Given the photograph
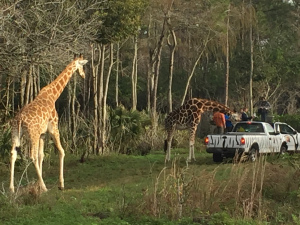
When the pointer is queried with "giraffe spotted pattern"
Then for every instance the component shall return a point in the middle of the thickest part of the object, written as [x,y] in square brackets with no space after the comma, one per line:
[39,117]
[188,116]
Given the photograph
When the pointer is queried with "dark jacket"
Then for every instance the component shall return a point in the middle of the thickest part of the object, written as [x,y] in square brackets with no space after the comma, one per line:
[245,117]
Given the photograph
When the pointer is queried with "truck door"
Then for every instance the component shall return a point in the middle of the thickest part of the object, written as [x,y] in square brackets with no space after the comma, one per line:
[291,136]
[274,139]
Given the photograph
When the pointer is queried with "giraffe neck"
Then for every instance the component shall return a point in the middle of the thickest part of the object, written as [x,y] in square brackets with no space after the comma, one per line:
[204,105]
[220,106]
[56,87]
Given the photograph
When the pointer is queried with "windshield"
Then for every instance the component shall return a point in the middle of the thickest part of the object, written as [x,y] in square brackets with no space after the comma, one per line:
[249,127]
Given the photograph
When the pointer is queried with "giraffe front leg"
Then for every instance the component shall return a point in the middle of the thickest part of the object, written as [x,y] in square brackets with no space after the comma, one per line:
[55,135]
[13,158]
[192,144]
[41,152]
[191,151]
[168,145]
[61,163]
[54,132]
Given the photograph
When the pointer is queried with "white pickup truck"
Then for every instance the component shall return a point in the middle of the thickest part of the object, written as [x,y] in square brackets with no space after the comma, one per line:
[253,138]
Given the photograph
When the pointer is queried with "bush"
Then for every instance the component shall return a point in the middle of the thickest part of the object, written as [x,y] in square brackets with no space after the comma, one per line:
[293,120]
[5,141]
[127,128]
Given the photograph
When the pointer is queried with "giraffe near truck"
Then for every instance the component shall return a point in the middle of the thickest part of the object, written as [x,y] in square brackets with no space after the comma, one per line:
[188,116]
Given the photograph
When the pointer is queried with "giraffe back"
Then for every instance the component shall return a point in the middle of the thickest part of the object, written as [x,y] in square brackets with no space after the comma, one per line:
[189,114]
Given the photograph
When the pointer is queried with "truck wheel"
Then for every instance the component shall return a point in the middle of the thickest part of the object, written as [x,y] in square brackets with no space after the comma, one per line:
[252,155]
[217,157]
[283,149]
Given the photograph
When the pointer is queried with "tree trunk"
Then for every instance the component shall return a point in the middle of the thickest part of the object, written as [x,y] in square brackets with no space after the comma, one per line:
[104,111]
[73,112]
[134,74]
[117,73]
[23,86]
[149,67]
[95,62]
[227,59]
[193,70]
[28,87]
[172,46]
[251,63]
[9,96]
[100,100]
[156,76]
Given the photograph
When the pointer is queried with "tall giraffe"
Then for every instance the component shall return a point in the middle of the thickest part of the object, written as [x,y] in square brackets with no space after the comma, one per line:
[38,117]
[188,116]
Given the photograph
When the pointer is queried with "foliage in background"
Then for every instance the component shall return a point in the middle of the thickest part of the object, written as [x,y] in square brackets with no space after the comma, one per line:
[5,141]
[127,128]
[121,18]
[293,120]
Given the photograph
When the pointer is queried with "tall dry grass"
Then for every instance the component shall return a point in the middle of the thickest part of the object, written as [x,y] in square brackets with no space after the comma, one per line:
[183,191]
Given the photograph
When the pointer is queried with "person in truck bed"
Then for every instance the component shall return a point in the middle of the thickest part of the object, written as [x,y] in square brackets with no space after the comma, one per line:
[245,115]
[263,108]
[219,119]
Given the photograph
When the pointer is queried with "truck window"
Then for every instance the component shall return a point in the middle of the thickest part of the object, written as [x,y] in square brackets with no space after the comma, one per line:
[285,129]
[249,127]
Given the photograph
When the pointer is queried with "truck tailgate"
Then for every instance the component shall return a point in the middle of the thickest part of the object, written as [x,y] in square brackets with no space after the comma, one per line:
[223,141]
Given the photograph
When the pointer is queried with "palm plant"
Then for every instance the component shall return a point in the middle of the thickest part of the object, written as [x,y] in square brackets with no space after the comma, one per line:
[126,129]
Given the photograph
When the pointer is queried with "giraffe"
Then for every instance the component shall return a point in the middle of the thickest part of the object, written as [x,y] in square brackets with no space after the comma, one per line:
[188,116]
[38,117]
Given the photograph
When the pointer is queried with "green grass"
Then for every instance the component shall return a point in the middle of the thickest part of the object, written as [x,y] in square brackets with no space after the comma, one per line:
[129,189]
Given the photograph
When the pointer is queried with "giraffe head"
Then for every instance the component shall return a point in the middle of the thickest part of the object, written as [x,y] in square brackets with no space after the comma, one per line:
[79,63]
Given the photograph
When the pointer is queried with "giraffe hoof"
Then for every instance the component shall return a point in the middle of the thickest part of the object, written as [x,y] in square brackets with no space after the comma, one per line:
[191,160]
[61,188]
[12,189]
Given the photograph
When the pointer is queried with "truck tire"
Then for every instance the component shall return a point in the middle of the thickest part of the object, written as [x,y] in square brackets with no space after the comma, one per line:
[253,154]
[217,157]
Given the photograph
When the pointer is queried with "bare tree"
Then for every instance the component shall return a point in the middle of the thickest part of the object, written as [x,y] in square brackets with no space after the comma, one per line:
[134,73]
[172,46]
[193,69]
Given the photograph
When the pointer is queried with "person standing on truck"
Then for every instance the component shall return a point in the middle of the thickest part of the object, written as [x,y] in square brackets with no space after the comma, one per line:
[263,107]
[219,119]
[228,123]
[245,116]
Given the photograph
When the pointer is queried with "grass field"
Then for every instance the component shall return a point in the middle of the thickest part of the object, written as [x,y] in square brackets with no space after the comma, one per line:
[129,189]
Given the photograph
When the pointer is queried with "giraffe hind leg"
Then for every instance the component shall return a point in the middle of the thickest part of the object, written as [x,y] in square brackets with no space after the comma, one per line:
[34,155]
[13,157]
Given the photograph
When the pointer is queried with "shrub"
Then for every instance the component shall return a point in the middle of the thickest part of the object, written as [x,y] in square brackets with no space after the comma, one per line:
[293,120]
[127,128]
[5,141]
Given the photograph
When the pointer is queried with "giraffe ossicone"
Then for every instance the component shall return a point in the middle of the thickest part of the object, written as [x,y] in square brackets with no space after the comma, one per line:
[39,117]
[188,116]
